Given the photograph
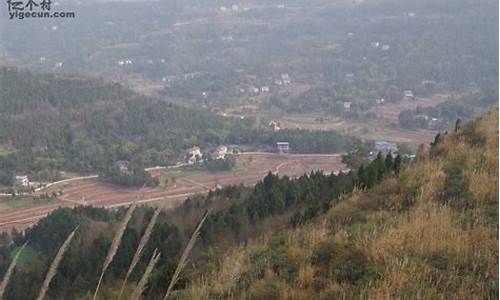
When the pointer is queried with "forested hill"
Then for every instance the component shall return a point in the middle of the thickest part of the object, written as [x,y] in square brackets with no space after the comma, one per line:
[65,123]
[51,123]
[24,92]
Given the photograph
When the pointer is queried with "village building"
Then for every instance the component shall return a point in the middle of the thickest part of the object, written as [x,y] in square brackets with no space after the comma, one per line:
[193,154]
[347,106]
[385,47]
[429,84]
[274,125]
[408,94]
[380,101]
[22,181]
[254,90]
[123,166]
[220,152]
[286,79]
[264,89]
[283,147]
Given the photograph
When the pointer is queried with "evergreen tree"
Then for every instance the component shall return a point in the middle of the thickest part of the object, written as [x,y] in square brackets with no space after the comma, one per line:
[458,124]
[389,162]
[397,164]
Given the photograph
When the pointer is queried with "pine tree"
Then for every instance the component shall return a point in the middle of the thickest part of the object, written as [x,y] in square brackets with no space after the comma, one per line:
[458,124]
[389,162]
[397,164]
[361,176]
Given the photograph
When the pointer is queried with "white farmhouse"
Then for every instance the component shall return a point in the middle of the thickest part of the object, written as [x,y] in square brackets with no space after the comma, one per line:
[193,155]
[220,152]
[347,106]
[408,94]
[22,181]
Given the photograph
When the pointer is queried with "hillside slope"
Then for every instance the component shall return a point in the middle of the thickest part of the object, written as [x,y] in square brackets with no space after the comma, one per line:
[51,123]
[429,233]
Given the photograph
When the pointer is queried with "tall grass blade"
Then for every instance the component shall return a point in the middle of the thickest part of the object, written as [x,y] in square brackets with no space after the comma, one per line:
[115,244]
[140,248]
[10,270]
[54,265]
[184,258]
[145,277]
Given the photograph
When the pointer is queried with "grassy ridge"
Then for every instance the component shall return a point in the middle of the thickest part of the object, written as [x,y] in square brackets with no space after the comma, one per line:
[429,233]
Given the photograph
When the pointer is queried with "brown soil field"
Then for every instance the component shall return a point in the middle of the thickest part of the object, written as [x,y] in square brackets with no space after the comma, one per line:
[251,168]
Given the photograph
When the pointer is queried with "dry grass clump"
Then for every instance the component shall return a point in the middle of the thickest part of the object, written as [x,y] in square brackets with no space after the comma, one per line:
[115,244]
[142,244]
[54,265]
[185,255]
[145,276]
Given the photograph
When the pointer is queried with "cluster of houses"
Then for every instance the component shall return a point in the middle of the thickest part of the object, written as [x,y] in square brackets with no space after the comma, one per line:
[283,80]
[234,8]
[386,147]
[377,45]
[194,154]
[407,95]
[125,62]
